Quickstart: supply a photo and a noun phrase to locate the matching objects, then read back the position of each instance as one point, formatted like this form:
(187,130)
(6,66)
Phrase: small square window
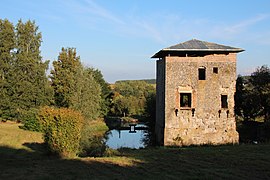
(224,101)
(215,70)
(201,72)
(185,100)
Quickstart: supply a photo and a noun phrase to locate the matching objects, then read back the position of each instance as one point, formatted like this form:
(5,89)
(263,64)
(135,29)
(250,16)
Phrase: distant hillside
(149,81)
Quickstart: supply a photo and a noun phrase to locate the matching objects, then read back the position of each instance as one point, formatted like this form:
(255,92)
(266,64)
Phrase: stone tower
(195,94)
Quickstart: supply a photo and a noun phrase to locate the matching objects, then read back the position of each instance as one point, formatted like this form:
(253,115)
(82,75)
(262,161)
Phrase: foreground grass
(11,135)
(22,156)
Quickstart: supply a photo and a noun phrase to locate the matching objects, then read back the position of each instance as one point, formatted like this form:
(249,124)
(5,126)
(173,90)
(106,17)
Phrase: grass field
(22,156)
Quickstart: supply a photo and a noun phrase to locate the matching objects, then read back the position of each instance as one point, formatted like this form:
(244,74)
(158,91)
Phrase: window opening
(215,70)
(201,73)
(224,101)
(185,99)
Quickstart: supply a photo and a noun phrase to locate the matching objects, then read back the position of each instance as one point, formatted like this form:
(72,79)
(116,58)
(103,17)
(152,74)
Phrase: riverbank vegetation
(24,157)
(26,87)
(130,97)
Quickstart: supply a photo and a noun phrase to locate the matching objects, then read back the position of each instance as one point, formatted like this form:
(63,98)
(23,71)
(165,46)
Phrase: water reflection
(131,136)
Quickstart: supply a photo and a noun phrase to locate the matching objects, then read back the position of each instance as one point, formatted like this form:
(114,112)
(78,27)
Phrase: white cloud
(243,25)
(163,28)
(88,9)
(99,11)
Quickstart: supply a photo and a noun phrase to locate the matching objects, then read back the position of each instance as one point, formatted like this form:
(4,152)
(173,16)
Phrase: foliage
(30,120)
(24,84)
(65,77)
(30,84)
(74,86)
(252,98)
(260,80)
(150,106)
(245,99)
(92,139)
(130,97)
(150,113)
(148,81)
(89,96)
(62,130)
(7,44)
(105,91)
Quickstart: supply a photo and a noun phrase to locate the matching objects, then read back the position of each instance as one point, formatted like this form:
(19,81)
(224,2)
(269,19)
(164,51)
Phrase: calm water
(124,138)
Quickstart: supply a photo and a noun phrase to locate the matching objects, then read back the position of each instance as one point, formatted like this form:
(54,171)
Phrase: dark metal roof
(196,47)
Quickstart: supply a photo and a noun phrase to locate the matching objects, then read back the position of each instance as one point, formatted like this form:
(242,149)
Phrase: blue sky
(119,36)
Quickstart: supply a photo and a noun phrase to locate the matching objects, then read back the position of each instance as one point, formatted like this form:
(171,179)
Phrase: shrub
(30,120)
(62,130)
(92,139)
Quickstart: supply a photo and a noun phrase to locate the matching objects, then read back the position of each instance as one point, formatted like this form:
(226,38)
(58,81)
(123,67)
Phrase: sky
(119,37)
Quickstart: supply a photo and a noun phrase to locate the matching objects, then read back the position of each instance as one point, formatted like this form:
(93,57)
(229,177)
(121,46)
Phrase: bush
(62,130)
(92,139)
(30,120)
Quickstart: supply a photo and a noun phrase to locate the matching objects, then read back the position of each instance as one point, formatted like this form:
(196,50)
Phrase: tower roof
(196,47)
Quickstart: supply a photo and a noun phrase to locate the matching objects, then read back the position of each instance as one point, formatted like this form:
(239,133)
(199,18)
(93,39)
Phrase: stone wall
(205,122)
(160,102)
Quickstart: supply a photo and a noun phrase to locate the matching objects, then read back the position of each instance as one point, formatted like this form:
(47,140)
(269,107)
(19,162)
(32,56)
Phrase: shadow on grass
(38,164)
(224,162)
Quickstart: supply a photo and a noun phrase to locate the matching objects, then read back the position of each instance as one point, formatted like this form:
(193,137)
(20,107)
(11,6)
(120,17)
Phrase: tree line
(63,102)
(25,85)
(60,103)
(132,97)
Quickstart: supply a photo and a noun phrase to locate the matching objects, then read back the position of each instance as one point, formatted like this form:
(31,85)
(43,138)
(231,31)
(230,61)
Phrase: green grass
(22,156)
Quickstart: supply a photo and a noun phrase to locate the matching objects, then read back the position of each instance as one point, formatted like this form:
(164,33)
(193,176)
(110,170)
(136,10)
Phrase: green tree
(245,100)
(67,70)
(260,80)
(7,45)
(252,97)
(150,106)
(29,81)
(25,84)
(132,97)
(89,96)
(105,91)
(74,86)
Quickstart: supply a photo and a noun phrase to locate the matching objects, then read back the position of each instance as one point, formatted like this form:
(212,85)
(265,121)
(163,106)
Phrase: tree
(252,97)
(74,86)
(30,85)
(132,97)
(245,100)
(7,44)
(90,96)
(65,75)
(260,80)
(105,91)
(24,84)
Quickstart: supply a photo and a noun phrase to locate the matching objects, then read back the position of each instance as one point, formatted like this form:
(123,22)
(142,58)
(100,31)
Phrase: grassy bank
(22,156)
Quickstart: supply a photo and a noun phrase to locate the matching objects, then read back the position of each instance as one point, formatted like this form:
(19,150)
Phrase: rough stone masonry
(195,94)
